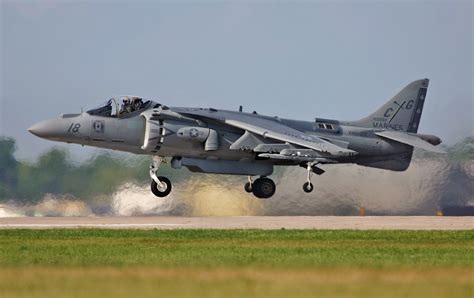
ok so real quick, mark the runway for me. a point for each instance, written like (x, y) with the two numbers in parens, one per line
(245, 222)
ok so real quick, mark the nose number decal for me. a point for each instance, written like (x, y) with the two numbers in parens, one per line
(74, 128)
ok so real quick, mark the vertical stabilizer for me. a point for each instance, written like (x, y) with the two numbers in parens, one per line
(402, 112)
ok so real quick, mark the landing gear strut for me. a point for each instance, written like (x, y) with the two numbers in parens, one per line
(248, 185)
(262, 188)
(160, 186)
(308, 186)
(311, 167)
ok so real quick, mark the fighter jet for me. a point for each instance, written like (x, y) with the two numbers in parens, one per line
(210, 140)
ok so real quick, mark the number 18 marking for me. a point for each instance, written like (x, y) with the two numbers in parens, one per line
(74, 127)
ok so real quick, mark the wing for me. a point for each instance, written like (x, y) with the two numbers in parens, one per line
(283, 133)
(409, 139)
(270, 128)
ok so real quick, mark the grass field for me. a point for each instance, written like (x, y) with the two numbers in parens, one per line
(236, 263)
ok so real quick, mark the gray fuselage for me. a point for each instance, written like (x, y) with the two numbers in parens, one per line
(128, 134)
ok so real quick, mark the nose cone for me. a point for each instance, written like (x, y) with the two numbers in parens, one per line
(35, 129)
(49, 129)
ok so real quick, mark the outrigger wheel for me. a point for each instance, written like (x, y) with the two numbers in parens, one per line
(161, 190)
(310, 168)
(308, 187)
(263, 188)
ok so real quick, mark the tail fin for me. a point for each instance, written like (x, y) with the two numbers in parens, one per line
(402, 112)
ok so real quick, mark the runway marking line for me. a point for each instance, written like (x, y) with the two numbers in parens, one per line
(86, 225)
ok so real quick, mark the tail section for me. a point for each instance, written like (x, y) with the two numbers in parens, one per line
(402, 112)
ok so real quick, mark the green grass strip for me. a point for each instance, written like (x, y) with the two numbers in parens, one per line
(237, 248)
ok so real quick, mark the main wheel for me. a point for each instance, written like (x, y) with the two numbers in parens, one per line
(248, 187)
(161, 191)
(263, 188)
(308, 187)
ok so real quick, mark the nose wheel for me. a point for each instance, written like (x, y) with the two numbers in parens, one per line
(160, 185)
(163, 189)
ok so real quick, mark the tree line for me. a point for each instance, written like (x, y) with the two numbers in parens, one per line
(54, 172)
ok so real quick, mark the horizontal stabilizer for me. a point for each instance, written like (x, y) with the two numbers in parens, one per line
(410, 139)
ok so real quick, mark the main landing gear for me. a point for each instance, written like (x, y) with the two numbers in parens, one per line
(160, 185)
(262, 188)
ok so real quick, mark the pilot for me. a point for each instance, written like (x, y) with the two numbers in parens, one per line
(126, 106)
(136, 103)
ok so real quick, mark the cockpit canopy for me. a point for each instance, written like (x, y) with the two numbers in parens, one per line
(123, 106)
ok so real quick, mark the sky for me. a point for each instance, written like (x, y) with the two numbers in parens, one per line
(295, 59)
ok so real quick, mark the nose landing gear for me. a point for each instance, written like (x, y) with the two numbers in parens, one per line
(161, 190)
(160, 185)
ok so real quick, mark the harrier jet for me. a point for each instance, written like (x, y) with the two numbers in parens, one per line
(210, 140)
